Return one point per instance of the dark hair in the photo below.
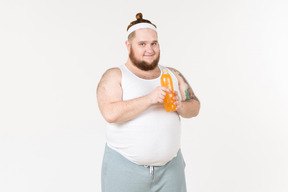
(139, 19)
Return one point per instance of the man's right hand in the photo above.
(158, 94)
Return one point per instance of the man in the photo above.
(143, 140)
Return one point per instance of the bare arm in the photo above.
(190, 105)
(111, 104)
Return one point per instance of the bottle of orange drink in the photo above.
(166, 81)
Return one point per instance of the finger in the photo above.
(161, 100)
(166, 89)
(163, 93)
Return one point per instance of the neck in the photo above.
(151, 74)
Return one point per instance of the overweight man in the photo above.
(143, 151)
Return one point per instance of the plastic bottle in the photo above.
(166, 81)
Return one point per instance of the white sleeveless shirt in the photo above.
(153, 137)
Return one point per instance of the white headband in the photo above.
(140, 26)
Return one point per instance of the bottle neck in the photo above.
(165, 71)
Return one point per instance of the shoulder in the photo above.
(115, 72)
(110, 76)
(112, 73)
(177, 73)
(174, 71)
(181, 79)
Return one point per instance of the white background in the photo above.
(54, 52)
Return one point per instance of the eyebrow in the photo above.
(155, 41)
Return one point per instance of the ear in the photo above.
(128, 45)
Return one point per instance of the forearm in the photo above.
(122, 111)
(189, 108)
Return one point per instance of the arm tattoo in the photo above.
(189, 94)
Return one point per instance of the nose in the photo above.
(149, 49)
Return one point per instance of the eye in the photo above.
(154, 43)
(142, 44)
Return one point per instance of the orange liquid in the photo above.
(166, 81)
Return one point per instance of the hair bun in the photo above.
(139, 16)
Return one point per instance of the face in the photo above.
(144, 50)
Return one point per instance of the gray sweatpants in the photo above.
(122, 175)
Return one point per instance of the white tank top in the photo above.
(153, 137)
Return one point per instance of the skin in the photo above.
(109, 92)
